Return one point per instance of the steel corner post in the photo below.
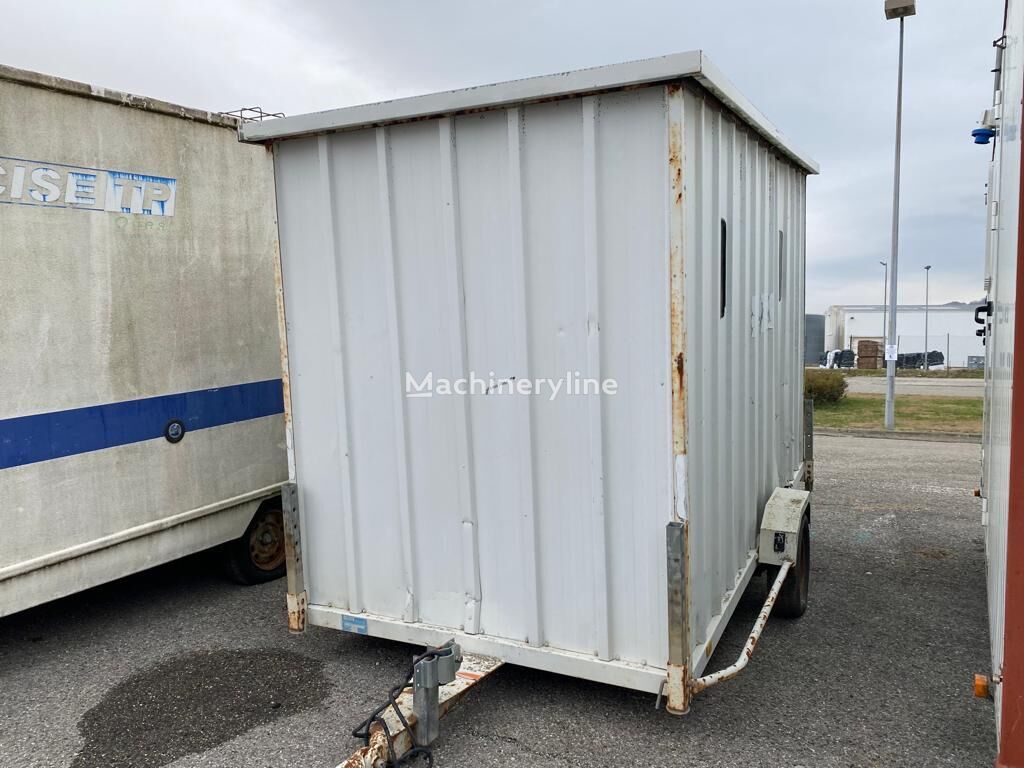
(677, 685)
(296, 595)
(677, 672)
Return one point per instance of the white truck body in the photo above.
(137, 251)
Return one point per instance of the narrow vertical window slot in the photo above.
(724, 270)
(782, 262)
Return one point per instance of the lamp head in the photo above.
(898, 9)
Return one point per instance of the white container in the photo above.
(137, 259)
(569, 224)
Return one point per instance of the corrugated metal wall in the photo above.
(527, 242)
(744, 361)
(533, 241)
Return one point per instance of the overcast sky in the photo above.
(823, 70)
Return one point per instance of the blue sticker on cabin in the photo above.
(355, 624)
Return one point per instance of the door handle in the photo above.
(987, 309)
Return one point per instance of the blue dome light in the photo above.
(983, 135)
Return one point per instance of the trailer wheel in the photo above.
(792, 600)
(258, 555)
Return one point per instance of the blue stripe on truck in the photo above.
(45, 436)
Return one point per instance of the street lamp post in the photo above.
(927, 273)
(895, 9)
(885, 299)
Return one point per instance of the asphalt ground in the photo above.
(179, 667)
(910, 385)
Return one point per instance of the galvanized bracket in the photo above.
(677, 685)
(296, 596)
(428, 675)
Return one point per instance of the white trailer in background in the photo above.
(140, 388)
(610, 264)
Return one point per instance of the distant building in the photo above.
(951, 329)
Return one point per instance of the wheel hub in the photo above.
(266, 542)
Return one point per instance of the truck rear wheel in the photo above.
(792, 600)
(258, 555)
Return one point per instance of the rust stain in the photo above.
(282, 341)
(676, 305)
(376, 754)
(296, 596)
(730, 672)
(677, 699)
(296, 620)
(296, 612)
(373, 755)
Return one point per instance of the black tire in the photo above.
(792, 599)
(257, 556)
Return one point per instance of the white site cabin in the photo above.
(641, 223)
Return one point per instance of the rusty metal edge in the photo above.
(296, 597)
(677, 317)
(282, 336)
(703, 683)
(374, 755)
(678, 669)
